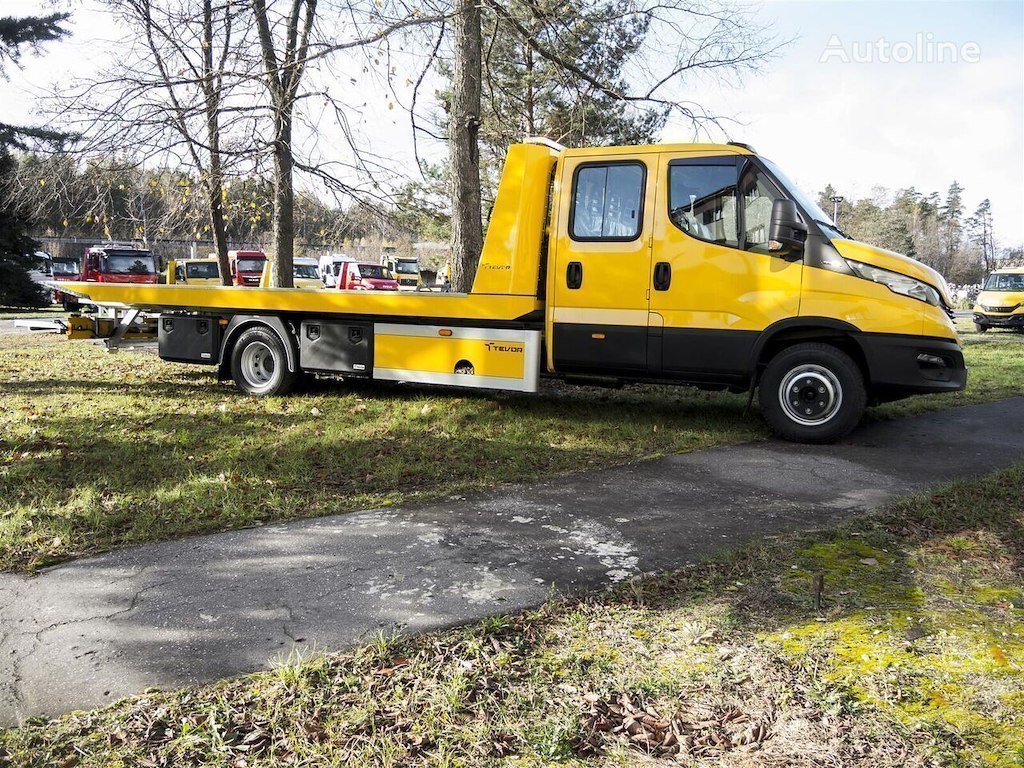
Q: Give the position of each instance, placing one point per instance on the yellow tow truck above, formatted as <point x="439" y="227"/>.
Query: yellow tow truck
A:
<point x="696" y="264"/>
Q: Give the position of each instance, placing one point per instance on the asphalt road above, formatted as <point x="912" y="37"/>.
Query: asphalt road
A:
<point x="82" y="634"/>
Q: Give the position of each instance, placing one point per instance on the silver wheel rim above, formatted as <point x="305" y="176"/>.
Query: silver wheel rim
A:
<point x="810" y="395"/>
<point x="258" y="365"/>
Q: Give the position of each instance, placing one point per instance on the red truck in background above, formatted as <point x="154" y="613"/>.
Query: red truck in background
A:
<point x="118" y="263"/>
<point x="106" y="263"/>
<point x="247" y="267"/>
<point x="361" y="276"/>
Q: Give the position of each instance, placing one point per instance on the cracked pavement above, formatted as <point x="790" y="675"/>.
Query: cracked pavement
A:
<point x="82" y="634"/>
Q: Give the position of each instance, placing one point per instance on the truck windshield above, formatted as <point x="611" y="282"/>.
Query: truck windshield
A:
<point x="406" y="267"/>
<point x="202" y="269"/>
<point x="306" y="271"/>
<point x="129" y="263"/>
<point x="65" y="268"/>
<point x="804" y="201"/>
<point x="250" y="265"/>
<point x="1005" y="282"/>
<point x="372" y="270"/>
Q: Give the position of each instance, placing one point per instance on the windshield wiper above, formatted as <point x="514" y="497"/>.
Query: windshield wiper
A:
<point x="830" y="225"/>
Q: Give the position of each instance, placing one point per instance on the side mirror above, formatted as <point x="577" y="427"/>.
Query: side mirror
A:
<point x="786" y="232"/>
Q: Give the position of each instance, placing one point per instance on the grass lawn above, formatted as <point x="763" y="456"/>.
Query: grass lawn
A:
<point x="100" y="450"/>
<point x="913" y="656"/>
<point x="6" y="313"/>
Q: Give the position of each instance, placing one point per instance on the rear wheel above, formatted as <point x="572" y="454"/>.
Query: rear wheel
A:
<point x="812" y="393"/>
<point x="259" y="364"/>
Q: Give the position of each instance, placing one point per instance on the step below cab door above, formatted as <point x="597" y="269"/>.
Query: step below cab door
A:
<point x="598" y="287"/>
<point x="714" y="284"/>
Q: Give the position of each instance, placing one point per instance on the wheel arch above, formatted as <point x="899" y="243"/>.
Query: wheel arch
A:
<point x="240" y="323"/>
<point x="786" y="333"/>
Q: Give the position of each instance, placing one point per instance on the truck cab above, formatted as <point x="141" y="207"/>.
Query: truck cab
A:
<point x="364" y="276"/>
<point x="405" y="269"/>
<point x="306" y="274"/>
<point x="246" y="267"/>
<point x="1000" y="304"/>
<point x="118" y="263"/>
<point x="197" y="271"/>
<point x="706" y="264"/>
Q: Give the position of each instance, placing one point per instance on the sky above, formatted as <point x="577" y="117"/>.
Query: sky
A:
<point x="866" y="94"/>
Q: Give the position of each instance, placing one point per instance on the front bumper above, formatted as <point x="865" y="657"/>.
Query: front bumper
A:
<point x="1000" y="321"/>
<point x="906" y="365"/>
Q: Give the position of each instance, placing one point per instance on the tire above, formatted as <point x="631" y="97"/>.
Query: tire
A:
<point x="979" y="328"/>
<point x="818" y="378"/>
<point x="259" y="364"/>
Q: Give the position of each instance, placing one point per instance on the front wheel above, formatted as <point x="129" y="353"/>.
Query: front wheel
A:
<point x="812" y="393"/>
<point x="259" y="364"/>
<point x="980" y="328"/>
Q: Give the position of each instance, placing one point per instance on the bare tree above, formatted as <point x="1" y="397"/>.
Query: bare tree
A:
<point x="174" y="95"/>
<point x="305" y="37"/>
<point x="283" y="74"/>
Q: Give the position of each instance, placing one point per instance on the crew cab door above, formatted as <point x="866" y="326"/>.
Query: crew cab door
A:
<point x="597" y="315"/>
<point x="715" y="285"/>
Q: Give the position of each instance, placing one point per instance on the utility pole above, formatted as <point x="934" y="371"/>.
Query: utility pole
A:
<point x="836" y="200"/>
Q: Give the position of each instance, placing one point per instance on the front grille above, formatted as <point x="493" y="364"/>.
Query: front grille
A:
<point x="1000" y="309"/>
<point x="409" y="282"/>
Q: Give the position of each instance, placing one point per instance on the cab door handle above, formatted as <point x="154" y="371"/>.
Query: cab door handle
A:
<point x="662" y="276"/>
<point x="574" y="275"/>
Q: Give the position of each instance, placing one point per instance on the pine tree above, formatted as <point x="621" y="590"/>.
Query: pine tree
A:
<point x="17" y="288"/>
<point x="525" y="94"/>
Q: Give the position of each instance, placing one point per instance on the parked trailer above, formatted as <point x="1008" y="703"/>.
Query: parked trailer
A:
<point x="697" y="264"/>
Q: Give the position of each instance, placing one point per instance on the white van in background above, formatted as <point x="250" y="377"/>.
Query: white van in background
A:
<point x="329" y="268"/>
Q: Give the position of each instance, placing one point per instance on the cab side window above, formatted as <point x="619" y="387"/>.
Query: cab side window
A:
<point x="607" y="201"/>
<point x="758" y="194"/>
<point x="702" y="201"/>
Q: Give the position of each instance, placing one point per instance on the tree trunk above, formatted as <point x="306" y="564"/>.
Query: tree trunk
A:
<point x="282" y="268"/>
<point x="215" y="191"/>
<point x="215" y="178"/>
<point x="467" y="231"/>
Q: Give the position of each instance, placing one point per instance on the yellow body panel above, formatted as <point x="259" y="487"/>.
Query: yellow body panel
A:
<point x="442" y="355"/>
<point x="715" y="286"/>
<point x="867" y="306"/>
<point x="894" y="262"/>
<point x="616" y="274"/>
<point x="512" y="253"/>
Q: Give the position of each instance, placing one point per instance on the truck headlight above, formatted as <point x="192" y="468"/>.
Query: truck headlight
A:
<point x="897" y="283"/>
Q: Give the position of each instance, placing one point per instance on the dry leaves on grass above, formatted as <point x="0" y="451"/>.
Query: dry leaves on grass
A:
<point x="695" y="731"/>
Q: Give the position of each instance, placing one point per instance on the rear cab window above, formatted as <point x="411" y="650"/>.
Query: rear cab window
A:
<point x="607" y="201"/>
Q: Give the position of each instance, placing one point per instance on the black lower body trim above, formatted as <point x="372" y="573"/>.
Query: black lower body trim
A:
<point x="706" y="350"/>
<point x="605" y="349"/>
<point x="1000" y="321"/>
<point x="907" y="365"/>
<point x="701" y="355"/>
